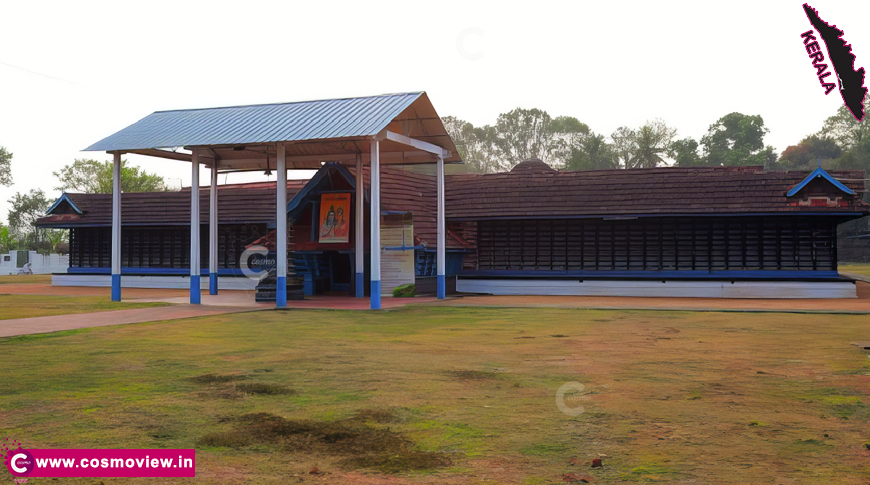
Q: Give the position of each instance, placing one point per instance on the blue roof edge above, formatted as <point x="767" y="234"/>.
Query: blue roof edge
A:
<point x="820" y="172"/>
<point x="294" y="203"/>
<point x="63" y="197"/>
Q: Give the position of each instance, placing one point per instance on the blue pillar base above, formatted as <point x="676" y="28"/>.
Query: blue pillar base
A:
<point x="212" y="284"/>
<point x="116" y="287"/>
<point x="195" y="297"/>
<point x="442" y="287"/>
<point x="360" y="285"/>
<point x="281" y="292"/>
<point x="376" y="295"/>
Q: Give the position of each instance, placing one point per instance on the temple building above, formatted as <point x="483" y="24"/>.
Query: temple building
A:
<point x="738" y="232"/>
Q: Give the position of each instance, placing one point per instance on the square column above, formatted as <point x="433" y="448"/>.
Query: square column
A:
<point x="213" y="232"/>
<point x="195" y="266"/>
<point x="376" y="225"/>
<point x="116" y="227"/>
<point x="441" y="250"/>
<point x="359" y="231"/>
<point x="281" y="230"/>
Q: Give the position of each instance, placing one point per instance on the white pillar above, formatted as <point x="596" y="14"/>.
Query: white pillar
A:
<point x="281" y="230"/>
<point x="195" y="265"/>
<point x="441" y="254"/>
<point x="116" y="227"/>
<point x="375" y="203"/>
<point x="359" y="230"/>
<point x="213" y="232"/>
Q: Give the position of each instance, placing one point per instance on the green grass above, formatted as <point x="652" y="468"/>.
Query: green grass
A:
<point x="859" y="268"/>
<point x="27" y="306"/>
<point x="28" y="279"/>
<point x="454" y="395"/>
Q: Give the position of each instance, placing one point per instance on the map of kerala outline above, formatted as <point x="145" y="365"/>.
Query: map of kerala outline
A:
<point x="850" y="80"/>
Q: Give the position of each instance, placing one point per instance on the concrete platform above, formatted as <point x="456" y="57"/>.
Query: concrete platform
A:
<point x="658" y="288"/>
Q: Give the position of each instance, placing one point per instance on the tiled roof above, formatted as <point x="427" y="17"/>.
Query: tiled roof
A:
<point x="237" y="204"/>
<point x="707" y="190"/>
<point x="703" y="190"/>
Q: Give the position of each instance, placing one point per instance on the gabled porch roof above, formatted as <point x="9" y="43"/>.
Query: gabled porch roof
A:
<point x="245" y="137"/>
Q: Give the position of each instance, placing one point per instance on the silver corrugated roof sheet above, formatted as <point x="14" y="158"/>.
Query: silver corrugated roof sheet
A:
<point x="266" y="123"/>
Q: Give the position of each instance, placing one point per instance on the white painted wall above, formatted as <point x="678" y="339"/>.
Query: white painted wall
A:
<point x="397" y="267"/>
<point x="686" y="289"/>
<point x="40" y="264"/>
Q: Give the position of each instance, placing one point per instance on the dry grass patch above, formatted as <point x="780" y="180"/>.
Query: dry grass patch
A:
<point x="355" y="444"/>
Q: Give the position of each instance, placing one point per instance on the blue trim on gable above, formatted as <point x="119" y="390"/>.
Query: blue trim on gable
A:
<point x="63" y="197"/>
<point x="295" y="205"/>
<point x="819" y="172"/>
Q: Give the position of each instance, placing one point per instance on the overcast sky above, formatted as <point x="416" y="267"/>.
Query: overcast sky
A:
<point x="72" y="73"/>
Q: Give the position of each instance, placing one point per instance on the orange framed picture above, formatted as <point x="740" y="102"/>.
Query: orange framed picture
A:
<point x="334" y="218"/>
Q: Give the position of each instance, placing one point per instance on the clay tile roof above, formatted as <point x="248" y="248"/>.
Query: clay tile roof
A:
<point x="666" y="190"/>
<point x="237" y="204"/>
<point x="532" y="165"/>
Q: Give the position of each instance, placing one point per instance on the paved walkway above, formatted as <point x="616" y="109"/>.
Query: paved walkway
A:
<point x="225" y="302"/>
<point x="243" y="301"/>
<point x="55" y="323"/>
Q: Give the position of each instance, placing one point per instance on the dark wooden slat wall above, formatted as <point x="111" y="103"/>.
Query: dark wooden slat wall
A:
<point x="159" y="246"/>
<point x="657" y="244"/>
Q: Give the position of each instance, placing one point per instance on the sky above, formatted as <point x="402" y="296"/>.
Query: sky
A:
<point x="72" y="73"/>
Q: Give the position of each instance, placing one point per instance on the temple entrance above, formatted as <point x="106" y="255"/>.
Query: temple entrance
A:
<point x="341" y="272"/>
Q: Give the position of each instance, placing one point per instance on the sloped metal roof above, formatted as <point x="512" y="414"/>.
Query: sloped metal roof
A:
<point x="266" y="123"/>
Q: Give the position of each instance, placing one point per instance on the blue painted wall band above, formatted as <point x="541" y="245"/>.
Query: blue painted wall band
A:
<point x="195" y="297"/>
<point x="281" y="292"/>
<point x="442" y="287"/>
<point x="376" y="295"/>
<point x="212" y="284"/>
<point x="116" y="287"/>
<point x="360" y="285"/>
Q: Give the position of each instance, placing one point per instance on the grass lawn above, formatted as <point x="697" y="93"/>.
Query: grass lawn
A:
<point x="25" y="279"/>
<point x="466" y="393"/>
<point x="26" y="306"/>
<point x="859" y="268"/>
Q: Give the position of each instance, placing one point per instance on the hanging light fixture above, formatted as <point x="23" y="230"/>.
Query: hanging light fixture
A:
<point x="268" y="171"/>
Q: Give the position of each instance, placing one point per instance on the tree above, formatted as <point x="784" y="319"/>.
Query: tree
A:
<point x="591" y="153"/>
<point x="7" y="240"/>
<point x="685" y="153"/>
<point x="56" y="237"/>
<point x="5" y="167"/>
<point x="26" y="209"/>
<point x="522" y="134"/>
<point x="857" y="157"/>
<point x="473" y="144"/>
<point x="645" y="147"/>
<point x="805" y="154"/>
<point x="737" y="139"/>
<point x="845" y="129"/>
<point x="94" y="177"/>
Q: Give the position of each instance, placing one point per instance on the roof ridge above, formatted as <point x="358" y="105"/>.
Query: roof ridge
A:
<point x="253" y="105"/>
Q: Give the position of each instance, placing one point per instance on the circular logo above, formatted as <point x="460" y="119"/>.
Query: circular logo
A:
<point x="462" y="45"/>
<point x="20" y="463"/>
<point x="569" y="404"/>
<point x="255" y="263"/>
